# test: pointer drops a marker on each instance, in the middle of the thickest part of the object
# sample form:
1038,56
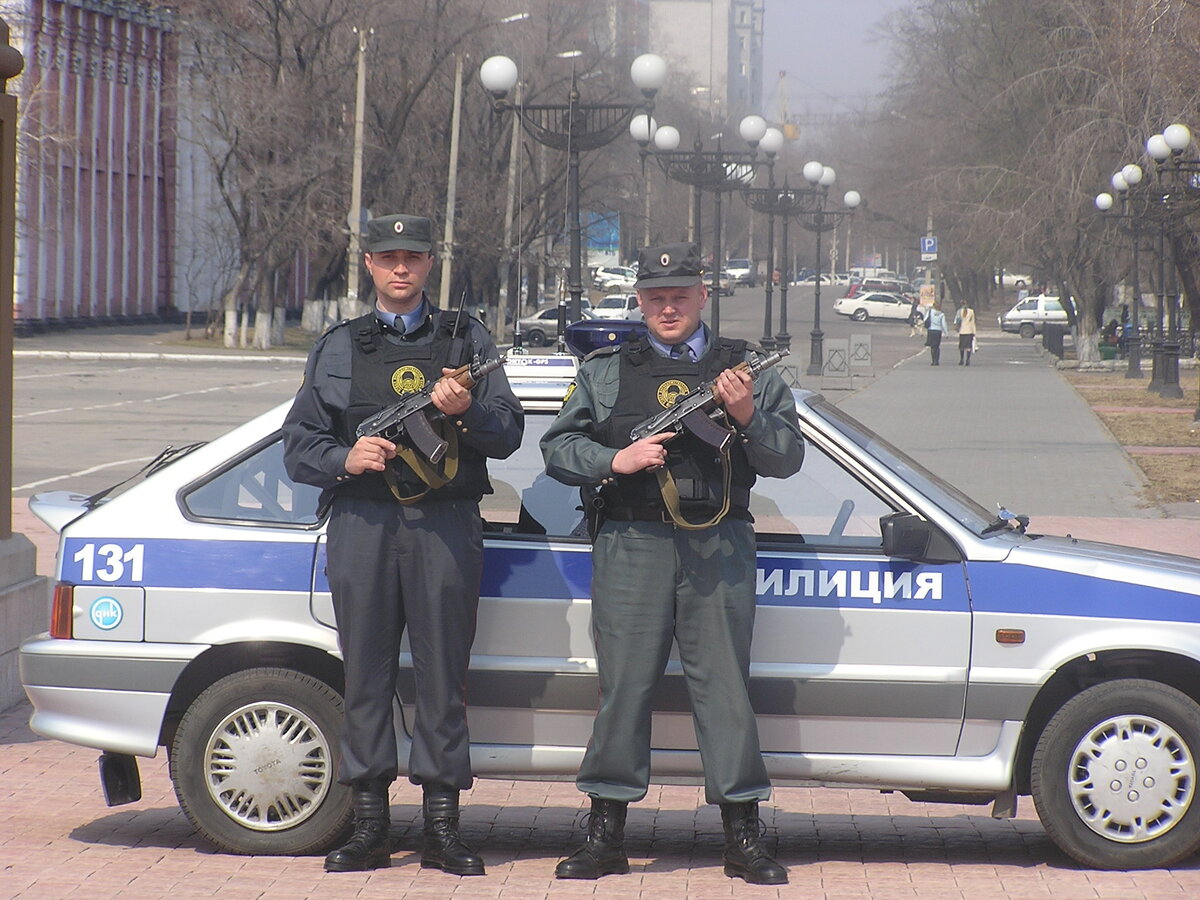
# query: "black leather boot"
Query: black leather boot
603,851
369,846
745,855
444,848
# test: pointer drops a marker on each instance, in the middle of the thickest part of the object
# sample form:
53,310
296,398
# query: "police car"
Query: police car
906,639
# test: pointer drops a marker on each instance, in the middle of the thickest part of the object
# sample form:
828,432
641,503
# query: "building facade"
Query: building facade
718,43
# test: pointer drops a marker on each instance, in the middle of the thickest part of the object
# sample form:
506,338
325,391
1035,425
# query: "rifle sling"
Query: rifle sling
426,472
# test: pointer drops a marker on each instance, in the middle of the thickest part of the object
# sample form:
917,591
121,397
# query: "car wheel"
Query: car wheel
535,337
1114,776
1027,330
254,764
859,315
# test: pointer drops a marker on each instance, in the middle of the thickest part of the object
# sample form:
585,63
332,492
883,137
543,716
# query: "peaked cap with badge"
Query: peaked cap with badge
399,232
669,265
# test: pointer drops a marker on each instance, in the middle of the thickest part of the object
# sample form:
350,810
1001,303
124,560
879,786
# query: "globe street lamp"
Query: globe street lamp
1134,228
773,203
819,220
574,127
717,171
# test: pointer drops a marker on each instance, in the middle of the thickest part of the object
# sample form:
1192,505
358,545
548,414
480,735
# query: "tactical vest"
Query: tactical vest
648,383
382,371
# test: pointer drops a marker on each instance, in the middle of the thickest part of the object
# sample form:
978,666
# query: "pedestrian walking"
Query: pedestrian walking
964,321
673,558
935,327
405,546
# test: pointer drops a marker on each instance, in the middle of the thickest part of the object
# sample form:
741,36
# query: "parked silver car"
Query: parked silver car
906,639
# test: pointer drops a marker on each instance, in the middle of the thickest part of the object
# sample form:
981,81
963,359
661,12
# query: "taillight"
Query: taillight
62,613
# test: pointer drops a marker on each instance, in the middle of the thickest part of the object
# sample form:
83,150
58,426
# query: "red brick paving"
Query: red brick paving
58,840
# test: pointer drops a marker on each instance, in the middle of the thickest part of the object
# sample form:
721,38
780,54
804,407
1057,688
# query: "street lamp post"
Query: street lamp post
574,127
353,263
772,202
1104,202
818,220
718,171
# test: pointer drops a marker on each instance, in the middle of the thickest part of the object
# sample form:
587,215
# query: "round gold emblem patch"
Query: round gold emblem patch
670,391
407,380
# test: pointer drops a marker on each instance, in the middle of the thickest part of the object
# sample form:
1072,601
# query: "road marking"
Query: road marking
158,399
109,465
80,372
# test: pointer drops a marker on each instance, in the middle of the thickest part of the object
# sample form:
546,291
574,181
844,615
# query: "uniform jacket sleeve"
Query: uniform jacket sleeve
772,439
494,422
572,455
313,450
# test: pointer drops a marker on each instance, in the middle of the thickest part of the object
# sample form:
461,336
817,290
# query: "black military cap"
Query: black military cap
399,233
669,265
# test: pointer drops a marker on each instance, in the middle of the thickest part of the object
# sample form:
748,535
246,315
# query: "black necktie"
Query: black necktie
681,351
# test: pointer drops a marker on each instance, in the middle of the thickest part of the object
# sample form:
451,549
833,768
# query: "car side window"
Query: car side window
525,500
1054,306
823,505
1027,305
255,488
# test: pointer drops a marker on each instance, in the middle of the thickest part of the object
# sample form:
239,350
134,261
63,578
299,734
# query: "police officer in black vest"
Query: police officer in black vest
674,558
405,547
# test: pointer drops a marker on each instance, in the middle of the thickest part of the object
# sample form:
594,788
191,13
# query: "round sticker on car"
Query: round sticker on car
106,613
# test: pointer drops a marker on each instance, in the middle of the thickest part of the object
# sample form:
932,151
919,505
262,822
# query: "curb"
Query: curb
144,355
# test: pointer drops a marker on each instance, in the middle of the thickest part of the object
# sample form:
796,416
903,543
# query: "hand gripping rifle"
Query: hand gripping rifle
409,417
696,411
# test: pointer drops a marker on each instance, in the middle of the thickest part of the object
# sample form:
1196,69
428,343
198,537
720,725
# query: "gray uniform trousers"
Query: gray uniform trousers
393,566
652,582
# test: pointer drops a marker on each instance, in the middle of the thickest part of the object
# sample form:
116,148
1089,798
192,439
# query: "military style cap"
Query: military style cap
668,265
399,233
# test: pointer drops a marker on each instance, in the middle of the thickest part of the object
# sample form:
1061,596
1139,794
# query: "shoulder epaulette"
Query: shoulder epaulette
603,351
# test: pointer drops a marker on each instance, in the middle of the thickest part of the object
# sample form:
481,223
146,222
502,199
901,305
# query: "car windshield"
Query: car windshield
940,492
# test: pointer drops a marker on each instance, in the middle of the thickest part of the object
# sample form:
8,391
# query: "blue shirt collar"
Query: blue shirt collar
405,322
698,342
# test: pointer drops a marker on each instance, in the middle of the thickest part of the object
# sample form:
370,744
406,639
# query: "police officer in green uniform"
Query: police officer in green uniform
674,558
404,539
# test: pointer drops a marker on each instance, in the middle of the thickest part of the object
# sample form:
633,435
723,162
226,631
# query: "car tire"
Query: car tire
535,338
254,764
1114,776
859,315
1027,330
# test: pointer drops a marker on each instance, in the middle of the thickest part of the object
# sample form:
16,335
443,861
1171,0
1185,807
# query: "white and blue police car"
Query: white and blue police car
906,640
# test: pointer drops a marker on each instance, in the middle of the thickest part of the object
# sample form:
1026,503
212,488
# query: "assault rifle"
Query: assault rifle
696,411
409,417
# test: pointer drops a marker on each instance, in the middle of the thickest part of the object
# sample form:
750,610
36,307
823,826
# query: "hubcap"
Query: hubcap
268,766
1132,778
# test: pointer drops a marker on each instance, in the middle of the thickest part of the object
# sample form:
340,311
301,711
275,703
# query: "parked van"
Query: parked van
1030,315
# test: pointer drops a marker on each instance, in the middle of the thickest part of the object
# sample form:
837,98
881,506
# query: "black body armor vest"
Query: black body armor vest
381,373
649,383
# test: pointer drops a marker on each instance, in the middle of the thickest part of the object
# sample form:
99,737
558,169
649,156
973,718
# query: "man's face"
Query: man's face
673,313
399,277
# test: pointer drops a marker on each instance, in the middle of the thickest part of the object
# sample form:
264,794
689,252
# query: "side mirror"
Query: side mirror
908,536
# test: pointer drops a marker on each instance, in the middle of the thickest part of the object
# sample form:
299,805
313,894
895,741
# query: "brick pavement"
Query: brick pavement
59,841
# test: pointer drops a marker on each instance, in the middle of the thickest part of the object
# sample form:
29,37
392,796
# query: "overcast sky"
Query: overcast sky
833,62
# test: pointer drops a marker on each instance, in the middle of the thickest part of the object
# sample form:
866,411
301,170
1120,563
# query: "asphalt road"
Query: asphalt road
84,424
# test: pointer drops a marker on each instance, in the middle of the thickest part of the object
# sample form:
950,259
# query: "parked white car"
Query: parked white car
906,639
618,306
1030,316
614,278
875,305
741,271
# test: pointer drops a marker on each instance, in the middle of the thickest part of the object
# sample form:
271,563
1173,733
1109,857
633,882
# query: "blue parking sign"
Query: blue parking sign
929,244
